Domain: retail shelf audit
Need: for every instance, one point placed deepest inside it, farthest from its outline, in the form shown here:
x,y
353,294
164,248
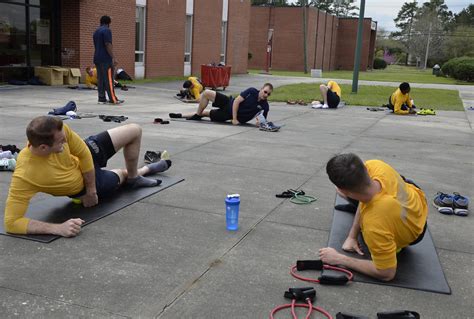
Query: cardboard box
x,y
50,75
72,77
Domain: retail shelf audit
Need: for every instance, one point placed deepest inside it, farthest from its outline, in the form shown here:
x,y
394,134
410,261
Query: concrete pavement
x,y
170,256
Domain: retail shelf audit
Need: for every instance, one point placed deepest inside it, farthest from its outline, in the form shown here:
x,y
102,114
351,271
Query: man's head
x,y
105,20
405,88
265,91
348,173
187,84
46,134
89,71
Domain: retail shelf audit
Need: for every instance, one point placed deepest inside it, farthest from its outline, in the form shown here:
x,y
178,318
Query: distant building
x,y
330,41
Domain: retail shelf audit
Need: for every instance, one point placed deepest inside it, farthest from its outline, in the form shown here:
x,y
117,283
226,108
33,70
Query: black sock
x,y
141,181
175,115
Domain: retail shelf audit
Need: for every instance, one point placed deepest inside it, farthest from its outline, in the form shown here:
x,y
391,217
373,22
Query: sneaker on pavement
x,y
317,106
152,157
325,106
269,127
444,203
460,205
175,115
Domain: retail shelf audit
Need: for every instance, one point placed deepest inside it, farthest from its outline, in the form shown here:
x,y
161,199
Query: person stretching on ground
x,y
57,161
400,102
391,214
242,109
91,79
331,95
191,90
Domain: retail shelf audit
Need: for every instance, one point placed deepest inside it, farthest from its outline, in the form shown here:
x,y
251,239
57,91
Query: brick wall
x,y
238,28
165,31
346,43
79,21
259,25
311,37
206,34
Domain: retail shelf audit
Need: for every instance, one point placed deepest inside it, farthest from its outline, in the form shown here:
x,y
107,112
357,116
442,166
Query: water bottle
x,y
232,203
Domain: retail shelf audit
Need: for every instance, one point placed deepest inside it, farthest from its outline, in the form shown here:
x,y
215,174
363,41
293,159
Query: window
x,y
223,41
188,38
140,34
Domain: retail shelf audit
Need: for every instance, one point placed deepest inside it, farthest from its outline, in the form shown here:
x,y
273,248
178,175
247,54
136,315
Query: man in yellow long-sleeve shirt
x,y
57,161
400,102
192,89
391,214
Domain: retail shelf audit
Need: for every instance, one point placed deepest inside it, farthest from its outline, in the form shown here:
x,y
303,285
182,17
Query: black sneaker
x,y
175,115
195,117
152,157
102,102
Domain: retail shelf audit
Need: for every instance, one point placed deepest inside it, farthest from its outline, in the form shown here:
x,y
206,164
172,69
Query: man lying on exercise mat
x,y
57,161
391,214
242,109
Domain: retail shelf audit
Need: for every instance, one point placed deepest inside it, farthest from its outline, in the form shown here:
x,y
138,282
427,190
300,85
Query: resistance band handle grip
x,y
333,280
300,294
398,314
341,315
309,265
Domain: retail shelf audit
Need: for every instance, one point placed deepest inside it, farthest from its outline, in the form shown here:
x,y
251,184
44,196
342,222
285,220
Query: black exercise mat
x,y
185,100
418,266
207,121
60,209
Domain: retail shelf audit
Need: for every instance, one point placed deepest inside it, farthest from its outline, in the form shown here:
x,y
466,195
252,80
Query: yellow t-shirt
x,y
58,174
335,88
197,87
91,80
398,99
394,218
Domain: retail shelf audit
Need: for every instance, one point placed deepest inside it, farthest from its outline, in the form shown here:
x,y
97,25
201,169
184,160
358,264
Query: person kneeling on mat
x,y
242,109
391,214
57,161
400,102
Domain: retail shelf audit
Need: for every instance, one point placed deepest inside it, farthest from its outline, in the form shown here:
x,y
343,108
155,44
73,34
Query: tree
x,y
275,3
465,17
404,21
341,8
460,42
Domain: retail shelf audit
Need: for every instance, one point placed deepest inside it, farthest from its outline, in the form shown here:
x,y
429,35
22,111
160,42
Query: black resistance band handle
x,y
309,265
341,315
399,314
333,280
301,294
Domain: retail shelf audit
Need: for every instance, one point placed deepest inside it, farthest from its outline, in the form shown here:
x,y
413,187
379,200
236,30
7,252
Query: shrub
x,y
379,63
460,68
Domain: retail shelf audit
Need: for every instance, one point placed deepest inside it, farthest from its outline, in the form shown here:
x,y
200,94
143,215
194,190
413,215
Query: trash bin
x,y
215,76
436,69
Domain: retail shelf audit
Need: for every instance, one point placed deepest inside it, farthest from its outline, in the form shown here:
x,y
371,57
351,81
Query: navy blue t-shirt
x,y
250,106
102,36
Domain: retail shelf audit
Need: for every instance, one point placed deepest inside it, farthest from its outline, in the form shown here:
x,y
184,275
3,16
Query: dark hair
x,y
41,130
269,85
187,84
348,172
404,87
105,20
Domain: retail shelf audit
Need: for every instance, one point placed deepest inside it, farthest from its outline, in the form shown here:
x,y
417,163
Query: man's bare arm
x,y
110,51
235,109
367,267
90,198
69,228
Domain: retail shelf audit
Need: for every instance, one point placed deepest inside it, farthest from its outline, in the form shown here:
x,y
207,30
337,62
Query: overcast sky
x,y
385,11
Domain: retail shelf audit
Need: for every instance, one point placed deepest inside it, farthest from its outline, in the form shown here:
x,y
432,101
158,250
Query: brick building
x,y
150,37
174,37
330,41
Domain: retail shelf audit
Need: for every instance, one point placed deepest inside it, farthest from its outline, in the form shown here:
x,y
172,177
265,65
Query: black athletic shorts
x,y
333,99
102,149
221,114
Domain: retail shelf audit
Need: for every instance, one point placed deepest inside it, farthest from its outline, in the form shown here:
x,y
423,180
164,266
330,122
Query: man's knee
x,y
209,94
134,129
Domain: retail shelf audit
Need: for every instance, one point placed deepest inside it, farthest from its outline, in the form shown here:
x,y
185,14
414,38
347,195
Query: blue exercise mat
x,y
418,266
60,209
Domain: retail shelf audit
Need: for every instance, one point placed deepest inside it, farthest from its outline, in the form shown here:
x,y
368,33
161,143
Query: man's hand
x,y
352,244
235,122
330,256
89,199
70,228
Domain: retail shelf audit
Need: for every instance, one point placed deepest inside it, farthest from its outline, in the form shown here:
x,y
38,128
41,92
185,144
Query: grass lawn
x,y
372,96
393,73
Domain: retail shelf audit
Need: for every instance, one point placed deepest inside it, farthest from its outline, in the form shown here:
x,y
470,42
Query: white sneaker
x,y
317,106
325,106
